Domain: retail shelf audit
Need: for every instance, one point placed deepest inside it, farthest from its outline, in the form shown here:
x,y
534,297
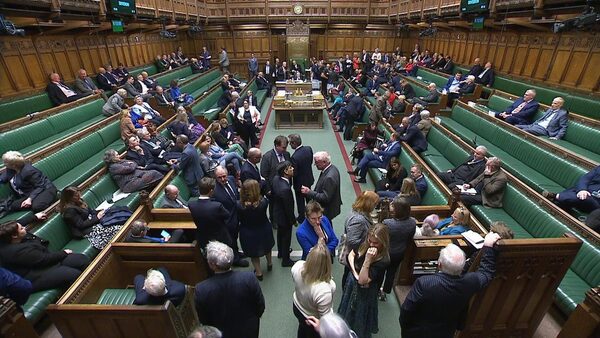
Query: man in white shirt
x,y
552,124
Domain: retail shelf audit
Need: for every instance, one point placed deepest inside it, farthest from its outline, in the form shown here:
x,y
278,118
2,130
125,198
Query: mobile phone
x,y
165,234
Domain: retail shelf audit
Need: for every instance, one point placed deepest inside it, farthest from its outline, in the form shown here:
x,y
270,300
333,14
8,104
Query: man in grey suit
x,y
327,189
189,165
131,90
115,103
432,97
85,86
171,198
553,124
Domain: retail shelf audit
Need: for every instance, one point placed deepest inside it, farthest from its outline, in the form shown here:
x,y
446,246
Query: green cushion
x,y
583,105
429,76
36,304
150,69
179,74
117,297
20,107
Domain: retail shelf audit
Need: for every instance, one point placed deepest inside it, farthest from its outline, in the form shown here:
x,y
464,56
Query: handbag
x,y
115,215
343,251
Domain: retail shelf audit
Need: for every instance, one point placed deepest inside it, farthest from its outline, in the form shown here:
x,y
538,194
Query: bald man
x,y
171,198
59,93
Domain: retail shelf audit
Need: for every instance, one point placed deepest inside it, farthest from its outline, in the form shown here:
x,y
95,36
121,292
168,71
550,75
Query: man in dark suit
x,y
522,110
407,90
227,194
251,171
263,82
281,73
157,287
354,111
303,175
270,160
585,195
489,186
251,98
59,93
365,59
163,98
197,67
416,173
148,81
189,164
432,97
144,159
210,216
378,158
327,189
476,69
231,301
106,80
448,67
486,77
552,124
413,136
139,234
85,86
282,201
424,312
171,198
467,171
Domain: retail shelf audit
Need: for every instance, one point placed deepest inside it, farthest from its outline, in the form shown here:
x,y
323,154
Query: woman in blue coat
x,y
315,226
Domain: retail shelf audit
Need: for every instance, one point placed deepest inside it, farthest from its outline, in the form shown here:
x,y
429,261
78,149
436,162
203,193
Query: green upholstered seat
x,y
184,192
21,106
208,103
38,301
117,297
439,80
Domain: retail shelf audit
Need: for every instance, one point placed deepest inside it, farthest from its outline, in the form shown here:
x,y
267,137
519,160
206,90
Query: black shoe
x,y
382,296
360,180
241,263
270,267
259,277
287,263
242,255
353,172
549,195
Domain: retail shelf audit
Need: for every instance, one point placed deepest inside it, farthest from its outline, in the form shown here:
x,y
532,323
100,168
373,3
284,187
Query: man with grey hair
x,y
171,198
206,331
522,110
432,96
467,171
85,86
231,301
553,123
489,186
115,103
424,312
157,287
327,188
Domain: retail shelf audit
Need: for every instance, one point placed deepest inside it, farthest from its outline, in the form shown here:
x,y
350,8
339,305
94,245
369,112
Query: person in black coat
x,y
412,135
251,171
303,175
28,256
354,111
59,93
227,194
263,83
209,215
282,201
268,165
424,312
33,190
327,189
231,301
486,77
189,164
157,287
144,159
407,90
466,171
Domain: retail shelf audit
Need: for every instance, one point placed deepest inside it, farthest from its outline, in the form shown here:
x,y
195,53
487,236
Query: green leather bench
x,y
442,154
583,105
209,102
21,106
200,88
38,135
178,74
150,69
439,80
580,138
184,192
528,220
117,297
261,95
539,168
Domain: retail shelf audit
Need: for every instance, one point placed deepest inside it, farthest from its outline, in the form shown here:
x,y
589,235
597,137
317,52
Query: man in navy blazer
x,y
412,135
416,173
486,77
424,312
303,176
189,164
377,159
153,289
282,201
252,100
226,193
210,216
522,110
585,195
250,170
552,124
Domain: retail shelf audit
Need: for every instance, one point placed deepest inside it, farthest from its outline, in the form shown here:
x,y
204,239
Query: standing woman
x,y
402,229
315,227
256,235
83,221
367,264
314,288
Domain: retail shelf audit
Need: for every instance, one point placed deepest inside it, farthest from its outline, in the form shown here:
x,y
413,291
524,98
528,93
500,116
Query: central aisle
x,y
277,286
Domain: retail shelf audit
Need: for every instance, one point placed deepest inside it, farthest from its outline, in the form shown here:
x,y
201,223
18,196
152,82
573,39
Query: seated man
x,y
263,83
412,135
139,234
467,171
106,80
14,286
131,90
115,103
465,87
489,186
141,86
85,86
59,93
432,97
377,159
196,66
522,110
163,98
486,77
407,90
144,158
553,124
171,198
372,86
150,82
157,288
416,173
585,195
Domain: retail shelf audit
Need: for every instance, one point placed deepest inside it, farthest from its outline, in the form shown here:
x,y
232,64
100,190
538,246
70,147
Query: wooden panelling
x,y
566,59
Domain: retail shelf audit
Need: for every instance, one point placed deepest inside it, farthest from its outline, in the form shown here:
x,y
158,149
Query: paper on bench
x,y
382,170
474,238
210,111
470,191
104,205
119,195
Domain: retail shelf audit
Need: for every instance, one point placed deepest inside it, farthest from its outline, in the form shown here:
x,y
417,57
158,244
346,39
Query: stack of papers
x,y
470,191
474,238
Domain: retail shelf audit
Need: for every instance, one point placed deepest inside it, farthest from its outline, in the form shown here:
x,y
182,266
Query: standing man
x,y
269,163
252,66
206,58
324,76
269,71
224,60
250,170
303,175
231,301
210,216
282,201
424,312
226,193
327,189
189,164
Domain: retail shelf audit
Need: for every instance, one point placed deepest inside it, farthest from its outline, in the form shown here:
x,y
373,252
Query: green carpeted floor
x,y
278,319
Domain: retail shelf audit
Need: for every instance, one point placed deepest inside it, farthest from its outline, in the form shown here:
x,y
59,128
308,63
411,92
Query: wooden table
x,y
293,86
299,117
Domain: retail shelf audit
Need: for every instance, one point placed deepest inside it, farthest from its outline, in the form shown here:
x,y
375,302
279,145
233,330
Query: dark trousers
x,y
249,134
39,203
470,200
301,201
348,129
304,330
158,167
284,240
63,275
390,272
568,199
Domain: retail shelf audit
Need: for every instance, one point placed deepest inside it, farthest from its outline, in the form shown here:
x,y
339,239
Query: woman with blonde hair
x,y
409,192
256,235
456,224
128,129
314,288
367,264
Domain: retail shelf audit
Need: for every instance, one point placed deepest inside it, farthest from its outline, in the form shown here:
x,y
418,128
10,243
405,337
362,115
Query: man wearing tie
x,y
226,193
252,66
172,200
521,111
327,189
59,93
282,201
250,170
209,215
269,71
263,82
269,163
553,124
85,86
377,159
303,175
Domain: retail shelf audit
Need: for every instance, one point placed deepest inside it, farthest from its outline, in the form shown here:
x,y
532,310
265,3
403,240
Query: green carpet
x,y
277,286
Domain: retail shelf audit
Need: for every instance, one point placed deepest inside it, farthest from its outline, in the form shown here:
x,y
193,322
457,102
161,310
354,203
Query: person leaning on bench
x,y
522,110
139,234
59,93
585,195
552,124
157,287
